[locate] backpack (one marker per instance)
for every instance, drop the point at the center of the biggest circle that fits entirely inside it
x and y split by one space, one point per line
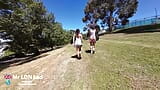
71 42
97 30
97 37
88 34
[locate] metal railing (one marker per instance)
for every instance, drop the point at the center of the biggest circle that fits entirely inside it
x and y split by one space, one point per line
141 22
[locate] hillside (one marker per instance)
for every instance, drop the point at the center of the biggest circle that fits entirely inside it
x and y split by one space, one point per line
121 62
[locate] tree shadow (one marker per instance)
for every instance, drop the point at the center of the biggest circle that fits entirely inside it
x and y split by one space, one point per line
15 60
18 61
141 29
50 49
136 32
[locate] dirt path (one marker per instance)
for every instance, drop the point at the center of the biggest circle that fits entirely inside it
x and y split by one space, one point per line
59 71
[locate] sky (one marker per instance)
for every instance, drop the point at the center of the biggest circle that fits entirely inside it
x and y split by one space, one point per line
70 12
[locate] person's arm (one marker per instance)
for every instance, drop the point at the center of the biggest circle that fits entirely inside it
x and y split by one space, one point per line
73 38
88 33
82 37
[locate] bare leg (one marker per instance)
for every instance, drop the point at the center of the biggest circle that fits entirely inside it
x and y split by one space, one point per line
93 48
80 51
77 51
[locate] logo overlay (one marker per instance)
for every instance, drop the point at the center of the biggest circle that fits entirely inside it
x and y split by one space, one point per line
8 78
26 79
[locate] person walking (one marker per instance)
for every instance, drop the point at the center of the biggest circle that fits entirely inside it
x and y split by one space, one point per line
77 41
92 38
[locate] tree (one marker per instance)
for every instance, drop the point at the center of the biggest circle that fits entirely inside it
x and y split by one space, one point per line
60 36
6 4
24 25
30 27
110 12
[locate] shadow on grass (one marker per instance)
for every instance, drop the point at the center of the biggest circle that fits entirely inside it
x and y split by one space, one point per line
75 56
15 60
141 29
135 32
88 51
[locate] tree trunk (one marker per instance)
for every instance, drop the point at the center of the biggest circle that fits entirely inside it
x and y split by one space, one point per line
110 25
20 54
36 51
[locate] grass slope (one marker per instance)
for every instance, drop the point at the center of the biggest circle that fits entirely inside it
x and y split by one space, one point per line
125 66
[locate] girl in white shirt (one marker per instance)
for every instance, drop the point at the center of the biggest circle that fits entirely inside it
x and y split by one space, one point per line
92 39
77 41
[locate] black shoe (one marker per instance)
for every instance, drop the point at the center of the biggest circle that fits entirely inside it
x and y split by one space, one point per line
93 52
79 57
76 56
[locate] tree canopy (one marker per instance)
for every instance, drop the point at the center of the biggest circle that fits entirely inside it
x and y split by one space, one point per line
30 26
110 12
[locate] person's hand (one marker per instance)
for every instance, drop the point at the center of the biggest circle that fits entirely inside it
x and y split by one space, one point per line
73 44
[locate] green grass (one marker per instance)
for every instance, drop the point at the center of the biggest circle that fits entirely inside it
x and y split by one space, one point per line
7 53
142 28
120 66
146 38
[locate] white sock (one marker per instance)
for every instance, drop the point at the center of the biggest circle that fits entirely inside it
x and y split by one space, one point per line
93 49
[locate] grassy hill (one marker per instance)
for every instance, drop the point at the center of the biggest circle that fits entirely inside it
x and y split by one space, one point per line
140 29
121 62
126 61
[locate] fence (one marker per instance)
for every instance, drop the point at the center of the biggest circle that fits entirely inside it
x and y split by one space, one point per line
141 22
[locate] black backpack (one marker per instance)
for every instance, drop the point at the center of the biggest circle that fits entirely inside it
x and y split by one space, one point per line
97 37
71 42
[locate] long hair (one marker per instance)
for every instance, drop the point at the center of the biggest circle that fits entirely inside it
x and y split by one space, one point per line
77 32
97 28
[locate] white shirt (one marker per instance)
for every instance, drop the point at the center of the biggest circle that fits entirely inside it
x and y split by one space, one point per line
78 40
92 33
